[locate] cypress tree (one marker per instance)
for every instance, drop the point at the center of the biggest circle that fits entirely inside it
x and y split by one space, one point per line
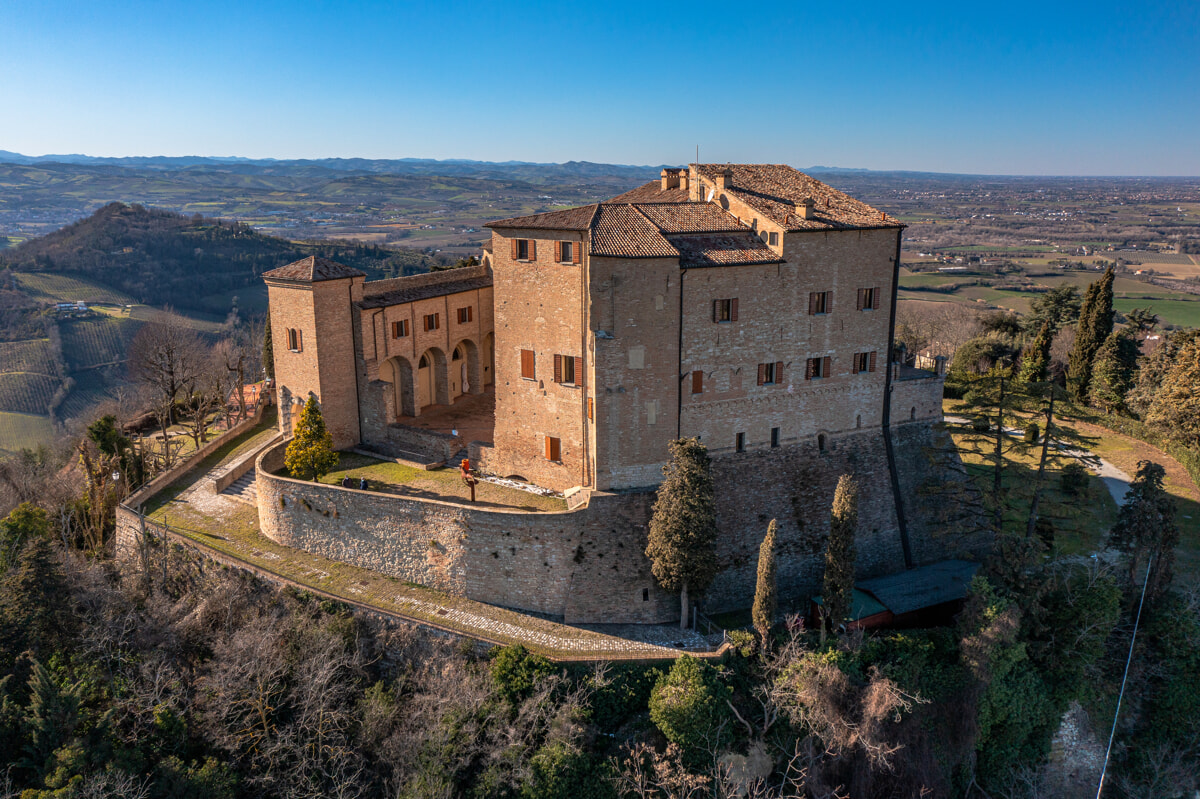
1095 325
683 526
268 352
310 454
765 600
840 554
1036 357
1146 528
1175 407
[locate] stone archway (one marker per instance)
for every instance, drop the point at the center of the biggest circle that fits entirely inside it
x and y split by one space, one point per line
399 372
466 373
432 386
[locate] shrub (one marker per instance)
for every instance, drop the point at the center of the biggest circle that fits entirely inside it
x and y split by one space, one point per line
515 671
1074 479
1032 433
689 706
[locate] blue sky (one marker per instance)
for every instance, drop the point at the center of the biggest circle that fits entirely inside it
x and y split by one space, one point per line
1002 88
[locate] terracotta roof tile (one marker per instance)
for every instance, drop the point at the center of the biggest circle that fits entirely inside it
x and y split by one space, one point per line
313 270
725 249
651 192
774 190
424 292
690 218
568 219
622 231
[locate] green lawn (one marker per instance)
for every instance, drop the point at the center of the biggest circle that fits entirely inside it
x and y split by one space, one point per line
439 484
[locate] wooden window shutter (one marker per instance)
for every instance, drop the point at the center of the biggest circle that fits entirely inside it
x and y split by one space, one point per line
532 250
875 299
828 301
515 249
808 369
762 373
550 449
558 368
861 295
591 409
871 367
470 314
576 252
733 310
716 313
557 251
812 303
826 362
527 364
578 371
779 372
300 340
697 381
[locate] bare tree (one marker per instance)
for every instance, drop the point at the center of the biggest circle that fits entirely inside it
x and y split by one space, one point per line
166 355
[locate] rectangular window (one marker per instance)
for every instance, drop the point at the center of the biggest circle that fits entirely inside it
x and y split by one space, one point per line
527 365
651 412
432 321
868 299
400 329
770 374
465 315
864 362
725 310
524 250
819 302
816 368
553 449
567 369
774 436
740 442
697 381
294 339
773 239
566 252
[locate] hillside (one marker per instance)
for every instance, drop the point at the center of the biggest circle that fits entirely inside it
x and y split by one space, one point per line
192 263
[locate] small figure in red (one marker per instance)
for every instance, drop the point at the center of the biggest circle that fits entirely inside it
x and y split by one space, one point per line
468 478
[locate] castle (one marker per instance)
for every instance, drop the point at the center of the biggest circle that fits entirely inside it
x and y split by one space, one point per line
749 305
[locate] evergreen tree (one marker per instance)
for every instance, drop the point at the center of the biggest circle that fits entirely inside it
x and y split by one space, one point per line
1175 408
683 526
765 600
1095 325
310 454
840 552
268 352
1146 528
1035 358
1058 307
34 605
1153 369
1113 370
25 523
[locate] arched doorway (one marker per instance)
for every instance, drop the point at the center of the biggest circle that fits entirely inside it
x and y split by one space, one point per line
466 374
432 386
399 372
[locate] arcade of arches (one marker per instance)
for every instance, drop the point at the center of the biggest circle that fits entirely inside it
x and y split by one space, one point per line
439 379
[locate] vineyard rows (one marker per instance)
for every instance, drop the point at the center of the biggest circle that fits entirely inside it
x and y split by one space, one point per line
27 392
91 342
33 355
61 288
24 431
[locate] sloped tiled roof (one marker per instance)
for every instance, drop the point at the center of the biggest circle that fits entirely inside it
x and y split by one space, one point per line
567 219
774 190
690 218
313 270
652 192
424 292
723 249
622 231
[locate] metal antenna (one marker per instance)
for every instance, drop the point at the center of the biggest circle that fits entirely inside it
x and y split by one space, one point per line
697 153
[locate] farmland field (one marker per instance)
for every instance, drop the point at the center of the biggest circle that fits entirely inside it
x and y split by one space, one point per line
91 388
1181 313
24 431
33 355
61 288
91 342
26 392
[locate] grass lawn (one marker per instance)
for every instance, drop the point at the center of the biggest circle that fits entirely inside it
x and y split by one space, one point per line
440 484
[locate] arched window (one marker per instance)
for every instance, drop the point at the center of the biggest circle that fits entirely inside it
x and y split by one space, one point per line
858 421
424 362
457 356
912 415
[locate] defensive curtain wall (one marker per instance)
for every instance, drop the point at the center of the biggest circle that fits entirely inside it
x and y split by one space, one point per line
587 565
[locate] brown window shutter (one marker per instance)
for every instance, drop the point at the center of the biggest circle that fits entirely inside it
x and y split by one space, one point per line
812 303
716 313
558 368
557 251
300 340
697 381
871 367
779 372
828 301
859 304
470 313
527 364
591 409
549 448
515 246
762 373
733 310
576 252
826 362
532 250
579 371
875 299
808 369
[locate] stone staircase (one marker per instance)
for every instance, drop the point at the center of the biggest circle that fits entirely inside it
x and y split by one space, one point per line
244 488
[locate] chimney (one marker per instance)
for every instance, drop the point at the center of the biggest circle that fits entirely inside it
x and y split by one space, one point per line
683 179
805 209
725 179
666 179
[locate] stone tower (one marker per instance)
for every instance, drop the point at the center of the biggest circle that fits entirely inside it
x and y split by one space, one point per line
312 328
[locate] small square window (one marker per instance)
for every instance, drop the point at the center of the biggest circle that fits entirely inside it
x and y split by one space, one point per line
522 249
400 329
432 322
465 315
818 302
725 310
566 251
773 239
294 340
553 449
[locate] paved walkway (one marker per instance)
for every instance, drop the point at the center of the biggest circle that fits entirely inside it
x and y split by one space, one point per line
225 527
1115 480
